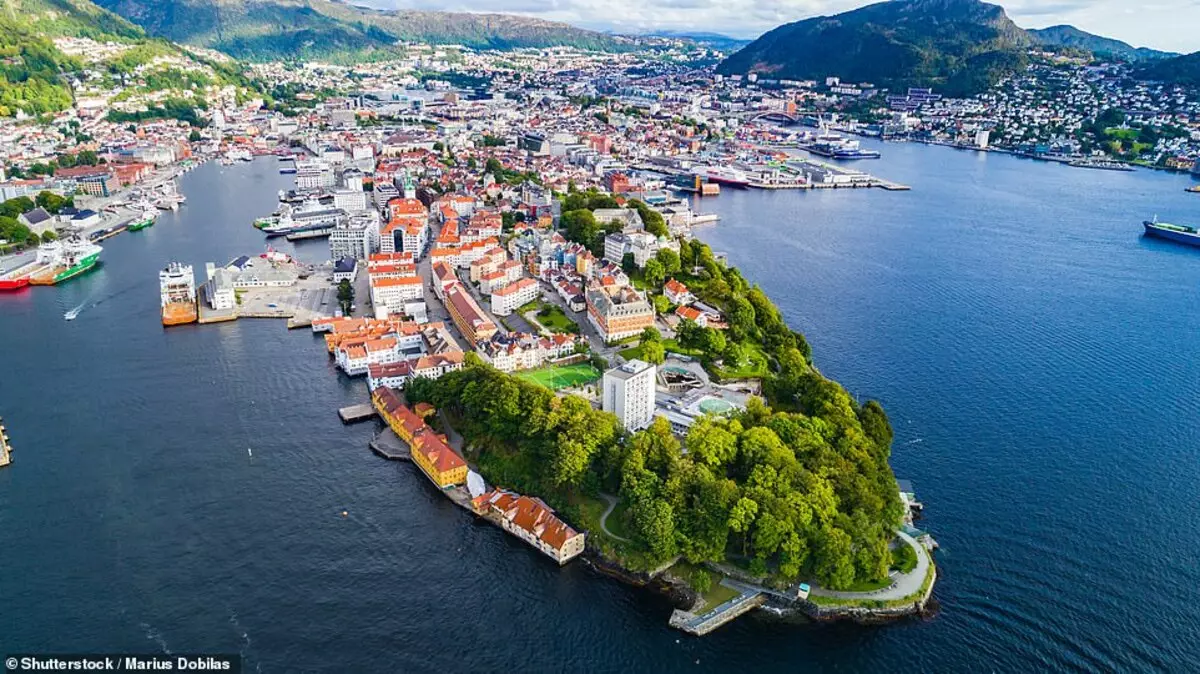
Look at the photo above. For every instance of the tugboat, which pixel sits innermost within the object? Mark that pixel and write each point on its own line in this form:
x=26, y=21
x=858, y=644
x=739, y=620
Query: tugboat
x=1177, y=233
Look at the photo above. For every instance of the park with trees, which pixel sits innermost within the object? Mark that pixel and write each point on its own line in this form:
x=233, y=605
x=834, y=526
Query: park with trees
x=798, y=490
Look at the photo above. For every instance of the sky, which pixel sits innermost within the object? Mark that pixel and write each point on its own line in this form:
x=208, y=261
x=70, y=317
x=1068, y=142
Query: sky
x=1162, y=24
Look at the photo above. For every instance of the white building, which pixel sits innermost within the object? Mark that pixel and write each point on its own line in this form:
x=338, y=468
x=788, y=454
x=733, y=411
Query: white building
x=352, y=239
x=350, y=200
x=629, y=394
x=220, y=291
x=519, y=293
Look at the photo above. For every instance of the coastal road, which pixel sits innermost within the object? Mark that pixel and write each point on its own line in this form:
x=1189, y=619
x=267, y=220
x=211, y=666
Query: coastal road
x=903, y=585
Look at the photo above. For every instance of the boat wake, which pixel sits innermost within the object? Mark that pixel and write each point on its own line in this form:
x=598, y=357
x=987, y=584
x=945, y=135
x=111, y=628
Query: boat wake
x=244, y=649
x=156, y=636
x=72, y=313
x=914, y=442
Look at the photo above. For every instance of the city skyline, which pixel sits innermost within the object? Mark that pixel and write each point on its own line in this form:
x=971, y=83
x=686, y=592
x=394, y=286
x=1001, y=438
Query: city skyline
x=1164, y=24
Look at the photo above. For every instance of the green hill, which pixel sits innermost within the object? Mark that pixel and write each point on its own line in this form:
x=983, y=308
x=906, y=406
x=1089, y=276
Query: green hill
x=957, y=46
x=312, y=29
x=1070, y=36
x=42, y=71
x=1183, y=70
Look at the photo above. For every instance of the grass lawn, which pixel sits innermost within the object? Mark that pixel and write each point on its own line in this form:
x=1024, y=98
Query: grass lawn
x=555, y=320
x=616, y=521
x=869, y=585
x=717, y=593
x=673, y=346
x=755, y=365
x=904, y=559
x=559, y=377
x=633, y=352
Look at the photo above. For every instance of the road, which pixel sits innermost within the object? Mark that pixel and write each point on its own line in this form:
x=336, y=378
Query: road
x=903, y=585
x=612, y=503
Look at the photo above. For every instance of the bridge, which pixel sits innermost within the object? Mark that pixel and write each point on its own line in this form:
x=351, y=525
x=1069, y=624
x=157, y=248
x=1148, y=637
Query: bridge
x=771, y=116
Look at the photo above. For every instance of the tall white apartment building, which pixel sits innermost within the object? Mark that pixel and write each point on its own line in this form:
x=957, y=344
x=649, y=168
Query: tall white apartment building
x=629, y=394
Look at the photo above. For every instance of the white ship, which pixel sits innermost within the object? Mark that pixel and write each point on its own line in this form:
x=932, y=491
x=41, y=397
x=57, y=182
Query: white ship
x=177, y=292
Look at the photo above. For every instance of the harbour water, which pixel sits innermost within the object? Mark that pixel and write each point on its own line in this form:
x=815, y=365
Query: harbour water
x=1036, y=354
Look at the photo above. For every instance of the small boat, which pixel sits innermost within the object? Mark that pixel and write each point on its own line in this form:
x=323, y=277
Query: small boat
x=70, y=315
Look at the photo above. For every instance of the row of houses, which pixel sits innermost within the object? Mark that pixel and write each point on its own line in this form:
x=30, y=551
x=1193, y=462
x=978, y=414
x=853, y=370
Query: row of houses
x=429, y=450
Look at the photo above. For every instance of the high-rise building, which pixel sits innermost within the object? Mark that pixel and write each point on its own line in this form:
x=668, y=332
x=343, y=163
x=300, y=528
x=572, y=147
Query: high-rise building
x=629, y=394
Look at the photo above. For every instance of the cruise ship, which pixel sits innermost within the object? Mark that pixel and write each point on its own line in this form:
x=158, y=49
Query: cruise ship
x=177, y=290
x=837, y=147
x=1176, y=233
x=307, y=217
x=63, y=260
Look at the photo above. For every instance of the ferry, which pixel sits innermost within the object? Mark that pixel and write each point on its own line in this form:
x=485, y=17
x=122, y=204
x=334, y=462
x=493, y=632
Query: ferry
x=63, y=260
x=723, y=175
x=1102, y=164
x=1176, y=233
x=177, y=291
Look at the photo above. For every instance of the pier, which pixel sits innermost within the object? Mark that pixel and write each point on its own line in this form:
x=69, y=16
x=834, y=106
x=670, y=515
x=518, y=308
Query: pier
x=702, y=624
x=389, y=445
x=356, y=413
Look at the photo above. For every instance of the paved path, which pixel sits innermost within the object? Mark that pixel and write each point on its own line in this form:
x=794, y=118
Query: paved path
x=903, y=585
x=612, y=503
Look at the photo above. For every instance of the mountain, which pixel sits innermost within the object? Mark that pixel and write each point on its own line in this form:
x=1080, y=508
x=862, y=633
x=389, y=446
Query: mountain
x=1184, y=70
x=716, y=41
x=53, y=51
x=1070, y=36
x=323, y=29
x=958, y=46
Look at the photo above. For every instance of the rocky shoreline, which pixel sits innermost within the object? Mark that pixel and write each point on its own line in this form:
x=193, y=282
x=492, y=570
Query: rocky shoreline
x=683, y=597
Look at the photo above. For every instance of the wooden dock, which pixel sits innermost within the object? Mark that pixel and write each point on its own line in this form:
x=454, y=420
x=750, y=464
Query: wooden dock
x=356, y=413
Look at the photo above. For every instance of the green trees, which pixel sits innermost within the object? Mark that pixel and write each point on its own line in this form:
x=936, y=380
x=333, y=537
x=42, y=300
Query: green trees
x=669, y=260
x=651, y=219
x=52, y=202
x=581, y=227
x=654, y=353
x=800, y=490
x=653, y=273
x=345, y=294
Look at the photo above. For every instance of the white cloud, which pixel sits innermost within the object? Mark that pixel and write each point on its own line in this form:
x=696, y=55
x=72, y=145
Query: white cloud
x=1162, y=24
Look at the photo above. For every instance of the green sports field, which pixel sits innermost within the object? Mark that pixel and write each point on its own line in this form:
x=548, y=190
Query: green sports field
x=557, y=377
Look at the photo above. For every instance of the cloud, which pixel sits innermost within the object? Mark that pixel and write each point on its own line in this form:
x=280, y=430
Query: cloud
x=1162, y=24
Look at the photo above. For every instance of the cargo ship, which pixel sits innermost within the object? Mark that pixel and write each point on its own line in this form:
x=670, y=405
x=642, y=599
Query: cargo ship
x=63, y=260
x=177, y=291
x=15, y=279
x=1176, y=233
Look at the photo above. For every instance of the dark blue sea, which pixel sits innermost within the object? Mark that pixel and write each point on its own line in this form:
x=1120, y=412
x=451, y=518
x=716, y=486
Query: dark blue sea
x=1039, y=359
